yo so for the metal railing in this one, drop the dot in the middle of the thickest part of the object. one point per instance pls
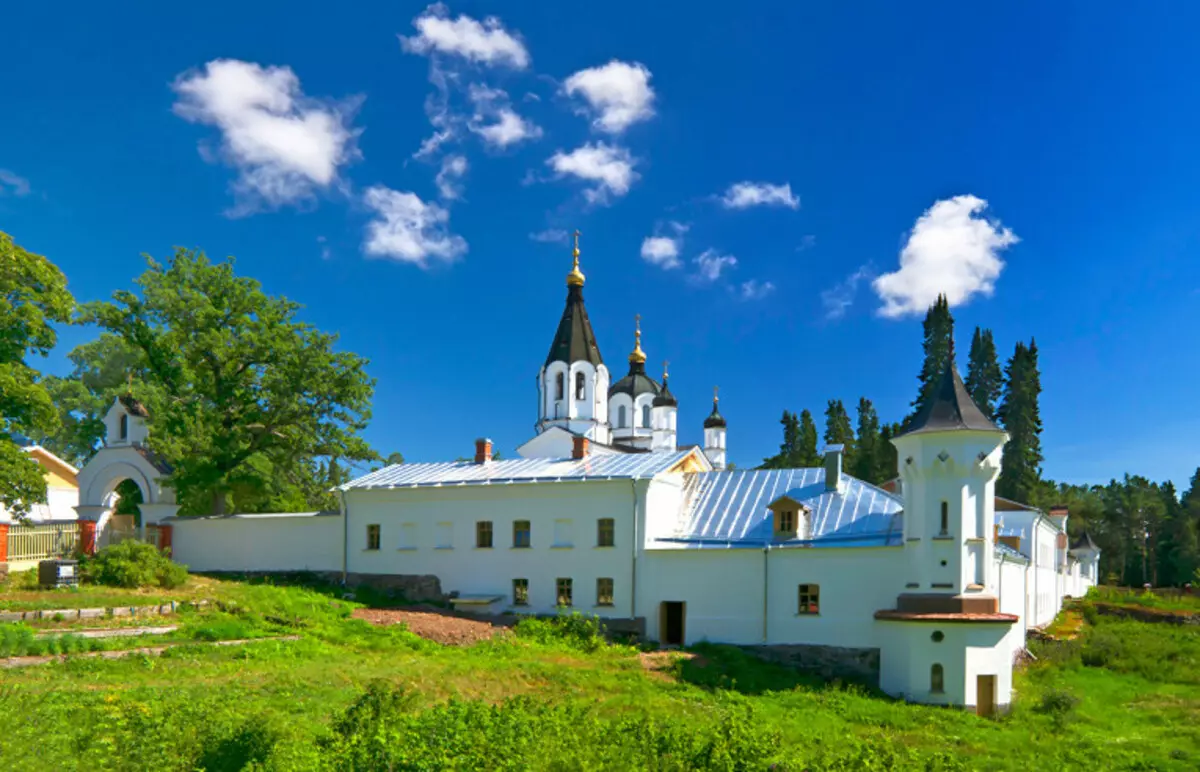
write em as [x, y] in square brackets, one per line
[41, 542]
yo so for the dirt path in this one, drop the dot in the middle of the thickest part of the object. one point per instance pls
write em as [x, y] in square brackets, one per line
[437, 625]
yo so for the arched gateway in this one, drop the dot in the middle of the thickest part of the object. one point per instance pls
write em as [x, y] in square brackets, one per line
[125, 456]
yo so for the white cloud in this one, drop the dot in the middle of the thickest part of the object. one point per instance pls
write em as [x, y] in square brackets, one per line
[710, 264]
[449, 179]
[743, 195]
[495, 120]
[326, 252]
[437, 109]
[838, 298]
[662, 251]
[952, 250]
[14, 183]
[755, 289]
[284, 144]
[407, 229]
[550, 236]
[486, 42]
[618, 94]
[610, 167]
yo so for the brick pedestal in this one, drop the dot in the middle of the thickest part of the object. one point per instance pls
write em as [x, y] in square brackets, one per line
[4, 544]
[87, 537]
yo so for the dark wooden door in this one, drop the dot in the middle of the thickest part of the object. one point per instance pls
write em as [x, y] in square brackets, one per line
[672, 622]
[985, 695]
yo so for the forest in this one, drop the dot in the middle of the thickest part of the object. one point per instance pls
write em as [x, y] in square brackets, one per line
[257, 411]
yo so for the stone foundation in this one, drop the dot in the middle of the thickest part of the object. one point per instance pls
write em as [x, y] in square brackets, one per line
[829, 662]
[414, 587]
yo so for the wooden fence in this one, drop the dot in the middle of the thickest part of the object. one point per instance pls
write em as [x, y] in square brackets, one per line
[31, 543]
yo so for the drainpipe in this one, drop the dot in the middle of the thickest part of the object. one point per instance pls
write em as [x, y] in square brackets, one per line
[345, 535]
[766, 549]
[633, 557]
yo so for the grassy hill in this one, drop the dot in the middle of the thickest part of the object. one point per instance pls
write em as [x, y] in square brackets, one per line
[1120, 694]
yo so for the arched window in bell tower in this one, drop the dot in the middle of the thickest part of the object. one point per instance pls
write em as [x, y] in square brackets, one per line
[580, 387]
[559, 386]
[124, 428]
[646, 416]
[621, 417]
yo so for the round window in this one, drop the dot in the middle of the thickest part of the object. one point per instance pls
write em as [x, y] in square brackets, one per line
[938, 636]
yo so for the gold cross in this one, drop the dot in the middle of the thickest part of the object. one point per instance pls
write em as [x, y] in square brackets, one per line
[576, 234]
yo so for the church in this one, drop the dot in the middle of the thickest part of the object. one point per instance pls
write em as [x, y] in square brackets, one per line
[928, 584]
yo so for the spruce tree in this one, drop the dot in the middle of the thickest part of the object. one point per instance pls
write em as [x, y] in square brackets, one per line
[839, 431]
[866, 459]
[789, 449]
[1021, 470]
[886, 459]
[939, 330]
[809, 455]
[984, 377]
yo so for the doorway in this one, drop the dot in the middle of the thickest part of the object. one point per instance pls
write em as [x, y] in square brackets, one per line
[671, 617]
[985, 695]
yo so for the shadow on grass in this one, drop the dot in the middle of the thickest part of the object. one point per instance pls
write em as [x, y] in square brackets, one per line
[362, 594]
[730, 668]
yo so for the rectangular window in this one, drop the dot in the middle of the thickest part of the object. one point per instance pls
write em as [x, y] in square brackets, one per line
[445, 536]
[810, 599]
[521, 533]
[562, 533]
[372, 537]
[483, 534]
[787, 521]
[563, 591]
[408, 536]
[945, 519]
[520, 592]
[604, 592]
[606, 532]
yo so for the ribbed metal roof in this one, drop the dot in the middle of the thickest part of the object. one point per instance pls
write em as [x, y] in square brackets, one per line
[1004, 549]
[729, 509]
[608, 466]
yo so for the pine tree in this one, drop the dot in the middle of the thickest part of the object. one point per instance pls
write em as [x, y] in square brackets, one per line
[939, 330]
[839, 431]
[808, 455]
[866, 459]
[984, 377]
[1021, 470]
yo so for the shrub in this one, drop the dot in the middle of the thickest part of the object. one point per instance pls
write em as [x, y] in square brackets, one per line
[133, 564]
[1057, 704]
[574, 630]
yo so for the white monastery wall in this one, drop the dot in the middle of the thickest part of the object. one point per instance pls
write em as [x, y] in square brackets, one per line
[722, 590]
[282, 542]
[433, 531]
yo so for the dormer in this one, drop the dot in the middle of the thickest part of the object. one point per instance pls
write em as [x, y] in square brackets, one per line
[790, 519]
[125, 422]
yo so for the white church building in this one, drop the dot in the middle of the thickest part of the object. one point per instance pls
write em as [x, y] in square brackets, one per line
[605, 512]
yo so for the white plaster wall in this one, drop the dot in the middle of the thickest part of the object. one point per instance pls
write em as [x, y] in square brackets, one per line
[854, 584]
[258, 543]
[1010, 589]
[462, 567]
[965, 652]
[723, 590]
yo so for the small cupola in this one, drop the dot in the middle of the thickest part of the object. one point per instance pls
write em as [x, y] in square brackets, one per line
[665, 398]
[125, 422]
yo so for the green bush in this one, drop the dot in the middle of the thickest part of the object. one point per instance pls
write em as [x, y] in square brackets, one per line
[574, 630]
[133, 564]
[1057, 704]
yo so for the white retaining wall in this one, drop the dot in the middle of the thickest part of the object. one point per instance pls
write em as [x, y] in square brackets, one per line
[304, 541]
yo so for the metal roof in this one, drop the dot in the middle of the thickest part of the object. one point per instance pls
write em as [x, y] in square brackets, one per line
[729, 509]
[608, 466]
[574, 340]
[950, 408]
[1004, 549]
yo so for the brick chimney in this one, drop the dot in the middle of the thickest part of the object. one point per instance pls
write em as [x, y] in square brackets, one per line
[579, 447]
[483, 450]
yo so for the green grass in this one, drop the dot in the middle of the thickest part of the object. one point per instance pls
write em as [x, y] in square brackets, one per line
[1119, 596]
[1123, 695]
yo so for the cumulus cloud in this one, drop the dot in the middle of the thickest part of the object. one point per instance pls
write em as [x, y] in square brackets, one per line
[284, 144]
[495, 121]
[743, 195]
[408, 229]
[550, 236]
[838, 298]
[608, 166]
[755, 289]
[952, 250]
[487, 42]
[662, 251]
[710, 264]
[618, 94]
[449, 179]
[11, 182]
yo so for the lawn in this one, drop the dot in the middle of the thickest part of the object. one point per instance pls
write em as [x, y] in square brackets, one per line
[348, 695]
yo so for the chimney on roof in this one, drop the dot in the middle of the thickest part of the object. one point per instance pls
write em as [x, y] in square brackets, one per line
[833, 467]
[579, 447]
[483, 450]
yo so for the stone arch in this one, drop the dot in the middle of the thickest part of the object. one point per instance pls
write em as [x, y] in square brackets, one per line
[100, 476]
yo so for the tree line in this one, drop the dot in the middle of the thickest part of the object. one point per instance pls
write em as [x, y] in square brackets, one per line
[1146, 531]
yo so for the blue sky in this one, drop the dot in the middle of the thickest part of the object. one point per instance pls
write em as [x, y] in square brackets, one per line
[1037, 164]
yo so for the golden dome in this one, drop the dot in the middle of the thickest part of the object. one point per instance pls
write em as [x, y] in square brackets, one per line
[575, 277]
[637, 356]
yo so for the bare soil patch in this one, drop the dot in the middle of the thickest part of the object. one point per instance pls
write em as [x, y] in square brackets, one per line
[660, 664]
[438, 625]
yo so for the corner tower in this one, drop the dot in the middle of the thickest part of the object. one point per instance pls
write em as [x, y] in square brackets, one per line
[573, 382]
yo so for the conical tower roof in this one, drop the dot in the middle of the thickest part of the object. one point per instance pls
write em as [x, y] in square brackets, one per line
[951, 408]
[574, 341]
